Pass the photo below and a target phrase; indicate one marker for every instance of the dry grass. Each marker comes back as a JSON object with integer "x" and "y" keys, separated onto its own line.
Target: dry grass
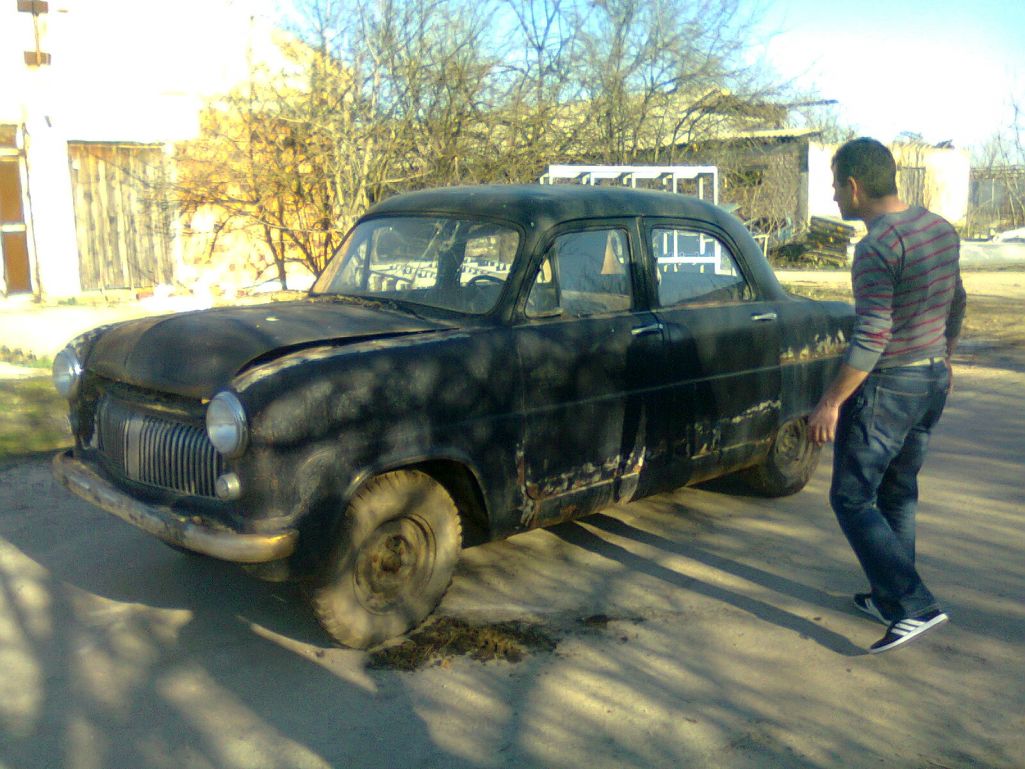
{"x": 33, "y": 419}
{"x": 994, "y": 318}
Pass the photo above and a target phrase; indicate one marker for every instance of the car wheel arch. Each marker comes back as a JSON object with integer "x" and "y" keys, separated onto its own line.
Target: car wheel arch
{"x": 326, "y": 504}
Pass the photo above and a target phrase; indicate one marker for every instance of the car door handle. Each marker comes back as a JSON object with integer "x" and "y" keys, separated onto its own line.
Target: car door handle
{"x": 764, "y": 316}
{"x": 654, "y": 328}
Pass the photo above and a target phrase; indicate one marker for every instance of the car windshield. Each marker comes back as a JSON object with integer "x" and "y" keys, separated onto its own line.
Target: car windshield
{"x": 451, "y": 264}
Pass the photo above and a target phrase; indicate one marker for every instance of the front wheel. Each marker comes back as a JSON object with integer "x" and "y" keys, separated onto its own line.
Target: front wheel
{"x": 790, "y": 463}
{"x": 398, "y": 549}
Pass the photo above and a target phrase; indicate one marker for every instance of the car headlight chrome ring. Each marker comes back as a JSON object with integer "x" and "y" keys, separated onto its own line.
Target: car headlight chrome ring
{"x": 226, "y": 424}
{"x": 67, "y": 373}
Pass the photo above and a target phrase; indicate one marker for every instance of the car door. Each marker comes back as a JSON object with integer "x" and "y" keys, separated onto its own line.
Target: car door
{"x": 588, "y": 355}
{"x": 722, "y": 350}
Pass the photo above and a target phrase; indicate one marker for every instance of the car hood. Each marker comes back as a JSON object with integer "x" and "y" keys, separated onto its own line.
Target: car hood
{"x": 195, "y": 354}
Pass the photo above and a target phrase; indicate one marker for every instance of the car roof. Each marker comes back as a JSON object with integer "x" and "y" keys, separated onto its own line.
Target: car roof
{"x": 540, "y": 206}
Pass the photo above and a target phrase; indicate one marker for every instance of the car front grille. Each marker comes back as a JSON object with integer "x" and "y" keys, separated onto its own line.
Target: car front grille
{"x": 156, "y": 450}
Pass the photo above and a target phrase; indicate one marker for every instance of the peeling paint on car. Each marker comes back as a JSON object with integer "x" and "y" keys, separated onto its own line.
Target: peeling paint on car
{"x": 822, "y": 346}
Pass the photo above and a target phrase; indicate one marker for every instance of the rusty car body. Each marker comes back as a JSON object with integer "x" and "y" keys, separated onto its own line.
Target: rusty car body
{"x": 473, "y": 363}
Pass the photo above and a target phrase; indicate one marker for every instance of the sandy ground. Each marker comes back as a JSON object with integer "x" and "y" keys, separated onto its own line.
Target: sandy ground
{"x": 727, "y": 637}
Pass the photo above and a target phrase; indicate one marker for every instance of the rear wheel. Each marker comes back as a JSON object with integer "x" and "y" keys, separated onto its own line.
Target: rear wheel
{"x": 399, "y": 547}
{"x": 790, "y": 463}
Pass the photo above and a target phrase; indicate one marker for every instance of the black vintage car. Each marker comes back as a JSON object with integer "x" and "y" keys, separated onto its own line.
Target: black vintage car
{"x": 474, "y": 362}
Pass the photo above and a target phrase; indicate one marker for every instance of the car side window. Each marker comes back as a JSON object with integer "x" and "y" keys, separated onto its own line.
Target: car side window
{"x": 583, "y": 273}
{"x": 695, "y": 267}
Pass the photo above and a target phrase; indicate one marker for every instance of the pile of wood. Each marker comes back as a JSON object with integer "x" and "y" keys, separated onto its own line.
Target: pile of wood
{"x": 827, "y": 241}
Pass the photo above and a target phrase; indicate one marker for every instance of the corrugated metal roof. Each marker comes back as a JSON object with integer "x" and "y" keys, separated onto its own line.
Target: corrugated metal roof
{"x": 767, "y": 133}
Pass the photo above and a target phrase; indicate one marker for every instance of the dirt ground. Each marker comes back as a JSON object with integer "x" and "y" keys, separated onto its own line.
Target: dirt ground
{"x": 702, "y": 628}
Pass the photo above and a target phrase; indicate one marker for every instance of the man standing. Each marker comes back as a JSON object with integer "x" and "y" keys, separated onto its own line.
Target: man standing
{"x": 893, "y": 384}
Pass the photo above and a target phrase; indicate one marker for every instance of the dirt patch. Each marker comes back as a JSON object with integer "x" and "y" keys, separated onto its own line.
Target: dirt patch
{"x": 602, "y": 621}
{"x": 447, "y": 637}
{"x": 443, "y": 638}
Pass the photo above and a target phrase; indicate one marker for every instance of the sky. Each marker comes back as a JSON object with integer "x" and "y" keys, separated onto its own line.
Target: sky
{"x": 169, "y": 57}
{"x": 944, "y": 69}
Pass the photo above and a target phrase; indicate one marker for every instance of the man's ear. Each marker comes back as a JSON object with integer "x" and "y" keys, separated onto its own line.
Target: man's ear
{"x": 857, "y": 190}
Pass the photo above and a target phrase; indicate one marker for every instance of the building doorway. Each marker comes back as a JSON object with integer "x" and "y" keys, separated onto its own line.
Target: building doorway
{"x": 17, "y": 274}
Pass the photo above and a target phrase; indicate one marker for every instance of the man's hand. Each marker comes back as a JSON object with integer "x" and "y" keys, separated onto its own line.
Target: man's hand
{"x": 950, "y": 374}
{"x": 822, "y": 423}
{"x": 951, "y": 346}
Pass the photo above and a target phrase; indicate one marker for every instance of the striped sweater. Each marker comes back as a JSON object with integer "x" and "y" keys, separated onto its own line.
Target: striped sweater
{"x": 908, "y": 294}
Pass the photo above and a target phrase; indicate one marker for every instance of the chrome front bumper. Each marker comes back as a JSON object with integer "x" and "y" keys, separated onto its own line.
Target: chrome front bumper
{"x": 162, "y": 522}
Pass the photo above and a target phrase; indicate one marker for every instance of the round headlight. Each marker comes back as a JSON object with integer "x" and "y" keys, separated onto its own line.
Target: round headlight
{"x": 226, "y": 425}
{"x": 67, "y": 373}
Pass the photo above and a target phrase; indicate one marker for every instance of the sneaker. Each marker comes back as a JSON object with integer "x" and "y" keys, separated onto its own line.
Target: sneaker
{"x": 905, "y": 630}
{"x": 864, "y": 602}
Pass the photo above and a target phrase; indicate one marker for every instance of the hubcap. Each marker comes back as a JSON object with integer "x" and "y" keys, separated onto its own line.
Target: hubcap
{"x": 791, "y": 443}
{"x": 394, "y": 563}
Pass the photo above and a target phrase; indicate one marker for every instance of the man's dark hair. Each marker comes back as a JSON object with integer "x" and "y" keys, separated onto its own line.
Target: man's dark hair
{"x": 870, "y": 162}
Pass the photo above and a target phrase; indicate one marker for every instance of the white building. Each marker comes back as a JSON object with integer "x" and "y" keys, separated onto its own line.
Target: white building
{"x": 935, "y": 177}
{"x": 90, "y": 91}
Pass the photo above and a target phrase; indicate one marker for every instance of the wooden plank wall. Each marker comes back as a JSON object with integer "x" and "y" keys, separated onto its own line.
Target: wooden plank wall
{"x": 911, "y": 185}
{"x": 122, "y": 217}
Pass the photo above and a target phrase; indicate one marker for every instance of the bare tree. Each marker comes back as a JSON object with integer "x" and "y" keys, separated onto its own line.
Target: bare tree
{"x": 381, "y": 96}
{"x": 998, "y": 178}
{"x": 660, "y": 74}
{"x": 533, "y": 115}
{"x": 384, "y": 96}
{"x": 419, "y": 76}
{"x": 258, "y": 167}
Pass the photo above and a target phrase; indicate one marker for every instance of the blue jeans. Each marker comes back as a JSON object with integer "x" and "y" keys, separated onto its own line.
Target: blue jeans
{"x": 881, "y": 442}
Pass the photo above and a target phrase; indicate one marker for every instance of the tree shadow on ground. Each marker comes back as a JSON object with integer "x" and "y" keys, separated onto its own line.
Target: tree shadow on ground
{"x": 119, "y": 652}
{"x": 580, "y": 536}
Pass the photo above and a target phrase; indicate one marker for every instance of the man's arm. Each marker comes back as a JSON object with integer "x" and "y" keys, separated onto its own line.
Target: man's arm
{"x": 951, "y": 346}
{"x": 872, "y": 285}
{"x": 955, "y": 319}
{"x": 822, "y": 422}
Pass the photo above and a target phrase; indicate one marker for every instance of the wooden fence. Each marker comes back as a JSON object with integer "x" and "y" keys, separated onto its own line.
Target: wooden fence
{"x": 122, "y": 218}
{"x": 997, "y": 200}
